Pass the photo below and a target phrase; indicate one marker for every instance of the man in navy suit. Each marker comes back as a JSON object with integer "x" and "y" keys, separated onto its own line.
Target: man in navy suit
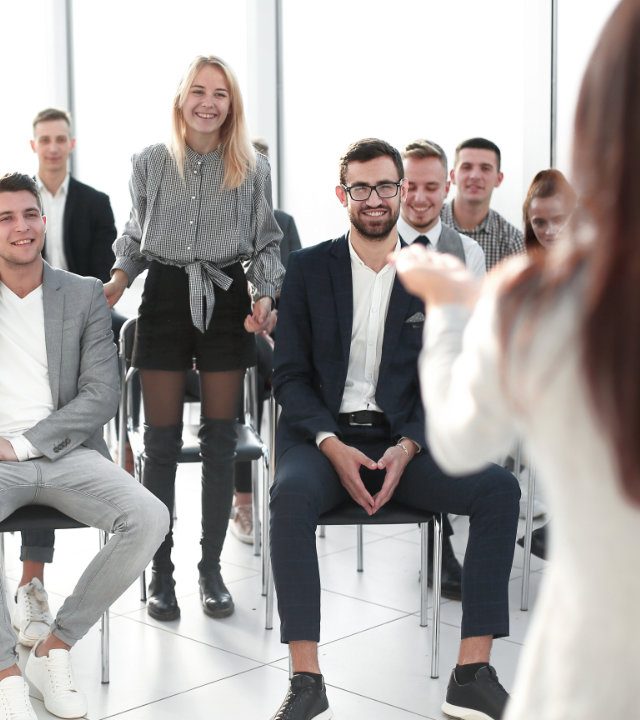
{"x": 352, "y": 425}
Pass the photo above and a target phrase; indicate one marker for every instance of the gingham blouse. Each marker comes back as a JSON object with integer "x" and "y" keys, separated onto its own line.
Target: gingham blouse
{"x": 194, "y": 224}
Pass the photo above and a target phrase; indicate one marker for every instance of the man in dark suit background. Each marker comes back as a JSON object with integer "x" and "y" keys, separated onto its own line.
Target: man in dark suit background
{"x": 352, "y": 425}
{"x": 79, "y": 233}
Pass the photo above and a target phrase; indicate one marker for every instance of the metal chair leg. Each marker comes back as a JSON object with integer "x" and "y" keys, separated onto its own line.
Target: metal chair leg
{"x": 104, "y": 627}
{"x": 255, "y": 505}
{"x": 359, "y": 531}
{"x": 424, "y": 585}
{"x": 526, "y": 569}
{"x": 437, "y": 578}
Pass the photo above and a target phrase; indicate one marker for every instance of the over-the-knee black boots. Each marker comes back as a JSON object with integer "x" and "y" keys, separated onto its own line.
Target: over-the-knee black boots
{"x": 161, "y": 449}
{"x": 217, "y": 448}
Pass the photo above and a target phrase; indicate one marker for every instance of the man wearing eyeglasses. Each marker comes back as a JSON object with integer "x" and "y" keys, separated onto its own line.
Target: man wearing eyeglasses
{"x": 352, "y": 425}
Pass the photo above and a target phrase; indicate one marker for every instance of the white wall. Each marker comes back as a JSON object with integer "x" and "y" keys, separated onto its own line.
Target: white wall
{"x": 33, "y": 71}
{"x": 579, "y": 25}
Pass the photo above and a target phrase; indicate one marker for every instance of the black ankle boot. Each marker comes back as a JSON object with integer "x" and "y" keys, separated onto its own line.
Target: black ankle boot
{"x": 162, "y": 603}
{"x": 215, "y": 598}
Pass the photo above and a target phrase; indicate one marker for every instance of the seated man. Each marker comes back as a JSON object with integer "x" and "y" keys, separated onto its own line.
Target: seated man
{"x": 58, "y": 387}
{"x": 352, "y": 425}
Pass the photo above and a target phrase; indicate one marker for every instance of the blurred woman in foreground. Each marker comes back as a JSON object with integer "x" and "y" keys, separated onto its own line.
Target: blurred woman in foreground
{"x": 551, "y": 352}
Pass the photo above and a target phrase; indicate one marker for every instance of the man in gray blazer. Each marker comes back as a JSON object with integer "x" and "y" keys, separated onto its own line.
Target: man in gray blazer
{"x": 58, "y": 387}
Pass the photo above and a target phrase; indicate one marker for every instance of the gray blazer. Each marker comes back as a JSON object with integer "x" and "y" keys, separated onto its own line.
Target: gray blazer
{"x": 83, "y": 367}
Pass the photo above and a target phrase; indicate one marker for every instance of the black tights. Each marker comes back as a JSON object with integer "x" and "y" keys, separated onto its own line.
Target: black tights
{"x": 163, "y": 398}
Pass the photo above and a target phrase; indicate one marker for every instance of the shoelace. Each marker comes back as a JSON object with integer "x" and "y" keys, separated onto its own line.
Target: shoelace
{"x": 36, "y": 609}
{"x": 294, "y": 696}
{"x": 14, "y": 696}
{"x": 59, "y": 673}
{"x": 493, "y": 676}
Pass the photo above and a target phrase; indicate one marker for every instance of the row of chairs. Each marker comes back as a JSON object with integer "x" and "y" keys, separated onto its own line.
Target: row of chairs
{"x": 251, "y": 448}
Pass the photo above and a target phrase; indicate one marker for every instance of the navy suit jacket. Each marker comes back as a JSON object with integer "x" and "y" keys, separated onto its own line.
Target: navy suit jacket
{"x": 88, "y": 231}
{"x": 314, "y": 339}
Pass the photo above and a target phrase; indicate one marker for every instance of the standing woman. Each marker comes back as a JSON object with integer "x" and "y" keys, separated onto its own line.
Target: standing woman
{"x": 201, "y": 207}
{"x": 552, "y": 352}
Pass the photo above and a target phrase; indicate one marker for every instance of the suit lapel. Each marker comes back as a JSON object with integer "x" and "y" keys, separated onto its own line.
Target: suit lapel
{"x": 69, "y": 206}
{"x": 53, "y": 299}
{"x": 397, "y": 312}
{"x": 340, "y": 270}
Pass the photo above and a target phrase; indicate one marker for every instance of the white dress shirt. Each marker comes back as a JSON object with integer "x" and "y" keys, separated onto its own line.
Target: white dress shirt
{"x": 24, "y": 371}
{"x": 371, "y": 294}
{"x": 473, "y": 253}
{"x": 53, "y": 206}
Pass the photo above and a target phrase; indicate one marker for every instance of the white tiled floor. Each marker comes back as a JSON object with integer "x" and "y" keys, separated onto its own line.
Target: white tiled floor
{"x": 374, "y": 654}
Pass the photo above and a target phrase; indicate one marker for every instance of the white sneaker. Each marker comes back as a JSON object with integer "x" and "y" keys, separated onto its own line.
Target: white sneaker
{"x": 242, "y": 523}
{"x": 53, "y": 677}
{"x": 32, "y": 617}
{"x": 14, "y": 699}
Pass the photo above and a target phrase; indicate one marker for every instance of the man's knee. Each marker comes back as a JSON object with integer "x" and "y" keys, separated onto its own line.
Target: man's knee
{"x": 501, "y": 489}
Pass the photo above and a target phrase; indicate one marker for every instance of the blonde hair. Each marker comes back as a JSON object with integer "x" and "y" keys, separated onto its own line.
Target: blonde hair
{"x": 237, "y": 152}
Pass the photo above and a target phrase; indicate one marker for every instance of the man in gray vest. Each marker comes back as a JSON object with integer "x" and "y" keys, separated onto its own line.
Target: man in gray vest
{"x": 427, "y": 183}
{"x": 426, "y": 177}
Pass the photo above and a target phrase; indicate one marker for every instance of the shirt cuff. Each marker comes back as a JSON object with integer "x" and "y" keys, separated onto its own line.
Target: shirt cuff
{"x": 131, "y": 267}
{"x": 23, "y": 449}
{"x": 322, "y": 436}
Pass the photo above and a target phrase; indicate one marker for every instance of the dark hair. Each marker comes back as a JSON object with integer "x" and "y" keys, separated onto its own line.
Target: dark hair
{"x": 426, "y": 149}
{"x": 606, "y": 156}
{"x": 51, "y": 114}
{"x": 545, "y": 184}
{"x": 15, "y": 182}
{"x": 369, "y": 149}
{"x": 479, "y": 143}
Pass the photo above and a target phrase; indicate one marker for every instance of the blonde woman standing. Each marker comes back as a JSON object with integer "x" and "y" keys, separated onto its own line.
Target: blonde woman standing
{"x": 201, "y": 210}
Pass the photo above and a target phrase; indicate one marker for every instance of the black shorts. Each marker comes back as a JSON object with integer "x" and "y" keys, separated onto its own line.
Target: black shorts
{"x": 166, "y": 338}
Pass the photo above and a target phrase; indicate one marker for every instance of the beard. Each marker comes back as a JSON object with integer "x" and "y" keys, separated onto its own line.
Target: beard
{"x": 375, "y": 230}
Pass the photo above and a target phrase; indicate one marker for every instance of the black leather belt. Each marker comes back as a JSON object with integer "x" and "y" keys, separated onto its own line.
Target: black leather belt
{"x": 365, "y": 418}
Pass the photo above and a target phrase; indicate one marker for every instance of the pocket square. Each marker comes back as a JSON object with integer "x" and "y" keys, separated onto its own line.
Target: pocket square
{"x": 417, "y": 317}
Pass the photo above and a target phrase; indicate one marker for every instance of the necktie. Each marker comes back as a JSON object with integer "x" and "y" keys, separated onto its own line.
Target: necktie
{"x": 422, "y": 240}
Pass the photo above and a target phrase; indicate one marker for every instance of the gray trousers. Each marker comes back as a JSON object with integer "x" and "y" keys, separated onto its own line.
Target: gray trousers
{"x": 93, "y": 490}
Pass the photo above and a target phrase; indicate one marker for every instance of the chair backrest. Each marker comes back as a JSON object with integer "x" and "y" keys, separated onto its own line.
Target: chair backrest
{"x": 250, "y": 446}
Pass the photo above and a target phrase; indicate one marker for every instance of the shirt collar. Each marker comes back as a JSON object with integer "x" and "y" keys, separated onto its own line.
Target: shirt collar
{"x": 193, "y": 158}
{"x": 62, "y": 190}
{"x": 409, "y": 233}
{"x": 486, "y": 226}
{"x": 355, "y": 258}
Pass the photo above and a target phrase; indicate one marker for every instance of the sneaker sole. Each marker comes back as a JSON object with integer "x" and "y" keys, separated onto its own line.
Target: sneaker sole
{"x": 240, "y": 536}
{"x": 163, "y": 617}
{"x": 463, "y": 713}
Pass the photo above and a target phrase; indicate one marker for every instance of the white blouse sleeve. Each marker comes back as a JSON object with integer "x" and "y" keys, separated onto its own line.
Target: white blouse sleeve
{"x": 469, "y": 417}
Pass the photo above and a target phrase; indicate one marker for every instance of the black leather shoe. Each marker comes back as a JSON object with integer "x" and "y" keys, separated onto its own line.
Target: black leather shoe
{"x": 215, "y": 598}
{"x": 538, "y": 542}
{"x": 451, "y": 586}
{"x": 306, "y": 700}
{"x": 162, "y": 603}
{"x": 483, "y": 697}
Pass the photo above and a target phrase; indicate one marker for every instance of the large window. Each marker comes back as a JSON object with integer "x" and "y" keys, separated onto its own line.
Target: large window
{"x": 128, "y": 60}
{"x": 444, "y": 71}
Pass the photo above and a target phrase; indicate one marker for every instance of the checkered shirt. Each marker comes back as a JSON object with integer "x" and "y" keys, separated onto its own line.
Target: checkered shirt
{"x": 495, "y": 235}
{"x": 193, "y": 223}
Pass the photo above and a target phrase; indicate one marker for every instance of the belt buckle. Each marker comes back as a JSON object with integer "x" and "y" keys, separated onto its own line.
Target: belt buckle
{"x": 354, "y": 423}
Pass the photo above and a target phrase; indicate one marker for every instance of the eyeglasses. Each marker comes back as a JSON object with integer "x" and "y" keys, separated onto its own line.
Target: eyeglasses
{"x": 363, "y": 192}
